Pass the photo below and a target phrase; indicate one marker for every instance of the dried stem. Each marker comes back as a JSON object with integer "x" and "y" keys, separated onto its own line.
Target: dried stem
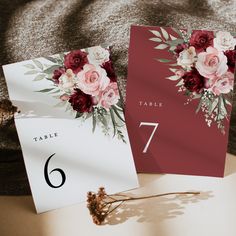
{"x": 100, "y": 203}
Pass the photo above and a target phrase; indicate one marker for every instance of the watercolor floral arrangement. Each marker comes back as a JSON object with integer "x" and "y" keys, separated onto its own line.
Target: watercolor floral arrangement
{"x": 203, "y": 64}
{"x": 85, "y": 83}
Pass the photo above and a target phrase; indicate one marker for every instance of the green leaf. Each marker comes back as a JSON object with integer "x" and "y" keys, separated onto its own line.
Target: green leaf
{"x": 172, "y": 37}
{"x": 38, "y": 64}
{"x": 199, "y": 106}
{"x": 173, "y": 77}
{"x": 163, "y": 60}
{"x": 165, "y": 34}
{"x": 113, "y": 122}
{"x": 89, "y": 114}
{"x": 175, "y": 42}
{"x": 173, "y": 69}
{"x": 45, "y": 90}
{"x": 31, "y": 72}
{"x": 156, "y": 33}
{"x": 161, "y": 46}
{"x": 94, "y": 121}
{"x": 78, "y": 115}
{"x": 117, "y": 113}
{"x": 51, "y": 69}
{"x": 156, "y": 40}
{"x": 213, "y": 106}
{"x": 39, "y": 77}
{"x": 178, "y": 32}
{"x": 172, "y": 48}
{"x": 29, "y": 66}
{"x": 51, "y": 59}
{"x": 180, "y": 83}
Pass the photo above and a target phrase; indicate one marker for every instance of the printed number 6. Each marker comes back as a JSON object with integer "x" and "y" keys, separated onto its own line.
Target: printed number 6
{"x": 63, "y": 176}
{"x": 155, "y": 125}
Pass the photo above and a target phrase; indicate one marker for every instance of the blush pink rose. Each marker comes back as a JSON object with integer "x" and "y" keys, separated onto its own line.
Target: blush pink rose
{"x": 211, "y": 63}
{"x": 110, "y": 96}
{"x": 92, "y": 79}
{"x": 223, "y": 84}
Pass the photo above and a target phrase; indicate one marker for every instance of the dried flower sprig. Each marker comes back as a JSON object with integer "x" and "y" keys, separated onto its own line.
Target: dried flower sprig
{"x": 101, "y": 204}
{"x": 7, "y": 111}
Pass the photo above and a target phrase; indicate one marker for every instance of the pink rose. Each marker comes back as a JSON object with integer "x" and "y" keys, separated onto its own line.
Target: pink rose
{"x": 211, "y": 63}
{"x": 223, "y": 84}
{"x": 92, "y": 79}
{"x": 110, "y": 96}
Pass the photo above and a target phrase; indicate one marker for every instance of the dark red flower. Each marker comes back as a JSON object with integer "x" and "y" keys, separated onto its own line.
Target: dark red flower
{"x": 193, "y": 81}
{"x": 75, "y": 60}
{"x": 108, "y": 67}
{"x": 180, "y": 48}
{"x": 81, "y": 102}
{"x": 57, "y": 74}
{"x": 231, "y": 58}
{"x": 201, "y": 39}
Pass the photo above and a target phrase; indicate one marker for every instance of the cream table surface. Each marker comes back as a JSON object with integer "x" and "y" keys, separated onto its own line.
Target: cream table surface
{"x": 212, "y": 213}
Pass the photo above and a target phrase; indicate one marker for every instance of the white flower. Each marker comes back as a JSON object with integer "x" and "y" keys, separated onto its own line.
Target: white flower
{"x": 67, "y": 81}
{"x": 98, "y": 55}
{"x": 224, "y": 41}
{"x": 187, "y": 57}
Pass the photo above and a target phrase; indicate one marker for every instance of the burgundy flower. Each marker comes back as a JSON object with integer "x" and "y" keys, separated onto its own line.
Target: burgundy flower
{"x": 57, "y": 74}
{"x": 231, "y": 58}
{"x": 75, "y": 60}
{"x": 180, "y": 48}
{"x": 201, "y": 39}
{"x": 193, "y": 81}
{"x": 108, "y": 67}
{"x": 81, "y": 102}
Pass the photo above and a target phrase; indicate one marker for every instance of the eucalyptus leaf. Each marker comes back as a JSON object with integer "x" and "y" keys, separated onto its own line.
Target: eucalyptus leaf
{"x": 173, "y": 77}
{"x": 172, "y": 37}
{"x": 156, "y": 33}
{"x": 29, "y": 66}
{"x": 156, "y": 40}
{"x": 165, "y": 34}
{"x": 178, "y": 32}
{"x": 31, "y": 72}
{"x": 175, "y": 42}
{"x": 199, "y": 106}
{"x": 213, "y": 106}
{"x": 161, "y": 46}
{"x": 78, "y": 114}
{"x": 39, "y": 77}
{"x": 51, "y": 59}
{"x": 51, "y": 69}
{"x": 180, "y": 83}
{"x": 94, "y": 121}
{"x": 172, "y": 48}
{"x": 163, "y": 60}
{"x": 117, "y": 113}
{"x": 113, "y": 122}
{"x": 38, "y": 64}
{"x": 173, "y": 69}
{"x": 45, "y": 90}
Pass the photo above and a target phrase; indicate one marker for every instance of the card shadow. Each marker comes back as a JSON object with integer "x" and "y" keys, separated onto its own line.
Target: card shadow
{"x": 155, "y": 210}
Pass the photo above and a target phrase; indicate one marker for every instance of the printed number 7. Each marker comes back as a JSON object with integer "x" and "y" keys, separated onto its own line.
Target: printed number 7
{"x": 155, "y": 125}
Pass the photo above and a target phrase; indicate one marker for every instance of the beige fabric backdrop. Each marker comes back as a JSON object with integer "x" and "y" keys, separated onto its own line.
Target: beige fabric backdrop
{"x": 36, "y": 28}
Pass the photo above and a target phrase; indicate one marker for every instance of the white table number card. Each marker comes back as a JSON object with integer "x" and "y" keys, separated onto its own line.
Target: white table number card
{"x": 71, "y": 126}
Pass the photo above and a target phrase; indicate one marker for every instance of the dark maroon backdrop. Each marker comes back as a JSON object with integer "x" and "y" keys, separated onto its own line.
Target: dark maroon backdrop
{"x": 183, "y": 143}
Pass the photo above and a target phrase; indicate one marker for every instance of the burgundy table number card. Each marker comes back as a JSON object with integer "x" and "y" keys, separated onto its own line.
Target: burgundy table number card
{"x": 179, "y": 99}
{"x": 71, "y": 126}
